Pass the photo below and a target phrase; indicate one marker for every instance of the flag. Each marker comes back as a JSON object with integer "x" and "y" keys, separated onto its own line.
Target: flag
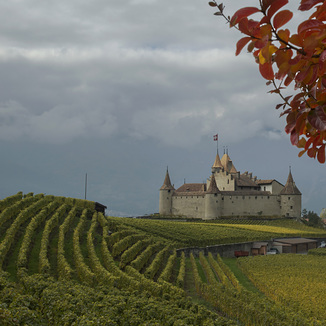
{"x": 215, "y": 137}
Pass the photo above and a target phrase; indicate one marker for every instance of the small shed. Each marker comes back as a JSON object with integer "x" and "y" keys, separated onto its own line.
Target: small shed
{"x": 296, "y": 245}
{"x": 100, "y": 208}
{"x": 259, "y": 248}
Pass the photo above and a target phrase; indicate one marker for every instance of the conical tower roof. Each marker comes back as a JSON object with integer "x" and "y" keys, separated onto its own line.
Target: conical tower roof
{"x": 212, "y": 189}
{"x": 228, "y": 164}
{"x": 290, "y": 188}
{"x": 167, "y": 182}
{"x": 217, "y": 162}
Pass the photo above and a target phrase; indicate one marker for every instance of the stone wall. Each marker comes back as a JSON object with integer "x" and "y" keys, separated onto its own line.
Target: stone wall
{"x": 250, "y": 205}
{"x": 224, "y": 250}
{"x": 192, "y": 206}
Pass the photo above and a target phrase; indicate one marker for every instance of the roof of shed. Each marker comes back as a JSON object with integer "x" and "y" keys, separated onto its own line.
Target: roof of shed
{"x": 295, "y": 240}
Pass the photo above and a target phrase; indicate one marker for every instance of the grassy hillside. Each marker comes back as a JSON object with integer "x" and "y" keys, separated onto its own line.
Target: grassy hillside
{"x": 63, "y": 263}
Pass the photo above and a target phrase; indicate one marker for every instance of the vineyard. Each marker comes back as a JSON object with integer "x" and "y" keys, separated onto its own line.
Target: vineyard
{"x": 64, "y": 263}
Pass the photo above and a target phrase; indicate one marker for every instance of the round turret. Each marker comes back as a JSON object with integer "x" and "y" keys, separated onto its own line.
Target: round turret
{"x": 166, "y": 193}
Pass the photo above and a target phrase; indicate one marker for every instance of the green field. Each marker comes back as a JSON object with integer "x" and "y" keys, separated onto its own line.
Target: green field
{"x": 63, "y": 263}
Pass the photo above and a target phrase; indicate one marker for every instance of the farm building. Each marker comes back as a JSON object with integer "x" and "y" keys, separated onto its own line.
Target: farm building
{"x": 294, "y": 245}
{"x": 228, "y": 193}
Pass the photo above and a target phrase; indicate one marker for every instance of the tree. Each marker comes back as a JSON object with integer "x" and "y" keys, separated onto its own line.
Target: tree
{"x": 312, "y": 218}
{"x": 284, "y": 59}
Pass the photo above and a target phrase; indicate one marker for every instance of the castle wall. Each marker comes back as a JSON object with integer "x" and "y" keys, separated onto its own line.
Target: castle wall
{"x": 224, "y": 181}
{"x": 250, "y": 205}
{"x": 274, "y": 188}
{"x": 191, "y": 206}
{"x": 291, "y": 205}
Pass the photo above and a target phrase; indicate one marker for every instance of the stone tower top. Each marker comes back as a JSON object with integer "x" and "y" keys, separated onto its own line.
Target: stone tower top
{"x": 212, "y": 189}
{"x": 290, "y": 188}
{"x": 167, "y": 182}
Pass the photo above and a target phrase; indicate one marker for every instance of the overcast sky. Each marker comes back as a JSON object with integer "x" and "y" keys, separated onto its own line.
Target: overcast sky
{"x": 122, "y": 89}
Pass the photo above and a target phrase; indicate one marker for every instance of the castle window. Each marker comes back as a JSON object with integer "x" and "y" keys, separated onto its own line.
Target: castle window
{"x": 255, "y": 197}
{"x": 267, "y": 197}
{"x": 169, "y": 190}
{"x": 228, "y": 181}
{"x": 215, "y": 195}
{"x": 222, "y": 198}
{"x": 264, "y": 188}
{"x": 291, "y": 207}
{"x": 289, "y": 198}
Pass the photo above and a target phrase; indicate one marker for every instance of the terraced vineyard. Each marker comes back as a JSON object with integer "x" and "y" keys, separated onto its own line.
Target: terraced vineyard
{"x": 63, "y": 263}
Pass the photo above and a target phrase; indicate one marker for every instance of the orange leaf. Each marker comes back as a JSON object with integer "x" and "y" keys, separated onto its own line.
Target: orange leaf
{"x": 301, "y": 153}
{"x": 241, "y": 44}
{"x": 281, "y": 18}
{"x": 242, "y": 13}
{"x": 266, "y": 70}
{"x": 284, "y": 34}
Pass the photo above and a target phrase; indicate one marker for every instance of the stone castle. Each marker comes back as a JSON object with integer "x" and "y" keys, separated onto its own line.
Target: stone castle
{"x": 228, "y": 193}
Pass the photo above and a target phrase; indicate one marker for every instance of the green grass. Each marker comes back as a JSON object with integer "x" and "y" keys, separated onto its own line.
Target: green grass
{"x": 242, "y": 278}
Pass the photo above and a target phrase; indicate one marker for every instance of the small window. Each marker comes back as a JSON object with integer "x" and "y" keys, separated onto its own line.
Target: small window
{"x": 169, "y": 190}
{"x": 228, "y": 181}
{"x": 222, "y": 198}
{"x": 291, "y": 207}
{"x": 289, "y": 198}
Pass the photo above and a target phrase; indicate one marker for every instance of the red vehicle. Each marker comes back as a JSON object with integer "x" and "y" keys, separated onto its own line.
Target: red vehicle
{"x": 241, "y": 253}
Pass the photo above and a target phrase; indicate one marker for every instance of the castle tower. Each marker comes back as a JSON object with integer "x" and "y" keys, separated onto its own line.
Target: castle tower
{"x": 212, "y": 200}
{"x": 166, "y": 192}
{"x": 290, "y": 199}
{"x": 228, "y": 164}
{"x": 217, "y": 166}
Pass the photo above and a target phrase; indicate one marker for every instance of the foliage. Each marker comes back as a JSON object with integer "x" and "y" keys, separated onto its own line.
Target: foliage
{"x": 296, "y": 283}
{"x": 284, "y": 59}
{"x": 312, "y": 218}
{"x": 125, "y": 271}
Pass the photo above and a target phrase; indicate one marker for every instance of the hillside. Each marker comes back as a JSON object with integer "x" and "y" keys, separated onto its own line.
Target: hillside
{"x": 63, "y": 263}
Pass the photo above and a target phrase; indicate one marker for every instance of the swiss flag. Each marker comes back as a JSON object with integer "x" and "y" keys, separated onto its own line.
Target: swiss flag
{"x": 215, "y": 137}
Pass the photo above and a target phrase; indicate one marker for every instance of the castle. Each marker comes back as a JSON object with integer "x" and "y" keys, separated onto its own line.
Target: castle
{"x": 228, "y": 193}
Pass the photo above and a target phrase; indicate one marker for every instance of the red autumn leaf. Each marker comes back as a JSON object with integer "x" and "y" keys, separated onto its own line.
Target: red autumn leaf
{"x": 301, "y": 153}
{"x": 322, "y": 56}
{"x": 294, "y": 137}
{"x": 317, "y": 118}
{"x": 310, "y": 24}
{"x": 321, "y": 154}
{"x": 308, "y": 4}
{"x": 281, "y": 18}
{"x": 266, "y": 70}
{"x": 308, "y": 143}
{"x": 312, "y": 152}
{"x": 266, "y": 4}
{"x": 241, "y": 44}
{"x": 242, "y": 13}
{"x": 276, "y": 5}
